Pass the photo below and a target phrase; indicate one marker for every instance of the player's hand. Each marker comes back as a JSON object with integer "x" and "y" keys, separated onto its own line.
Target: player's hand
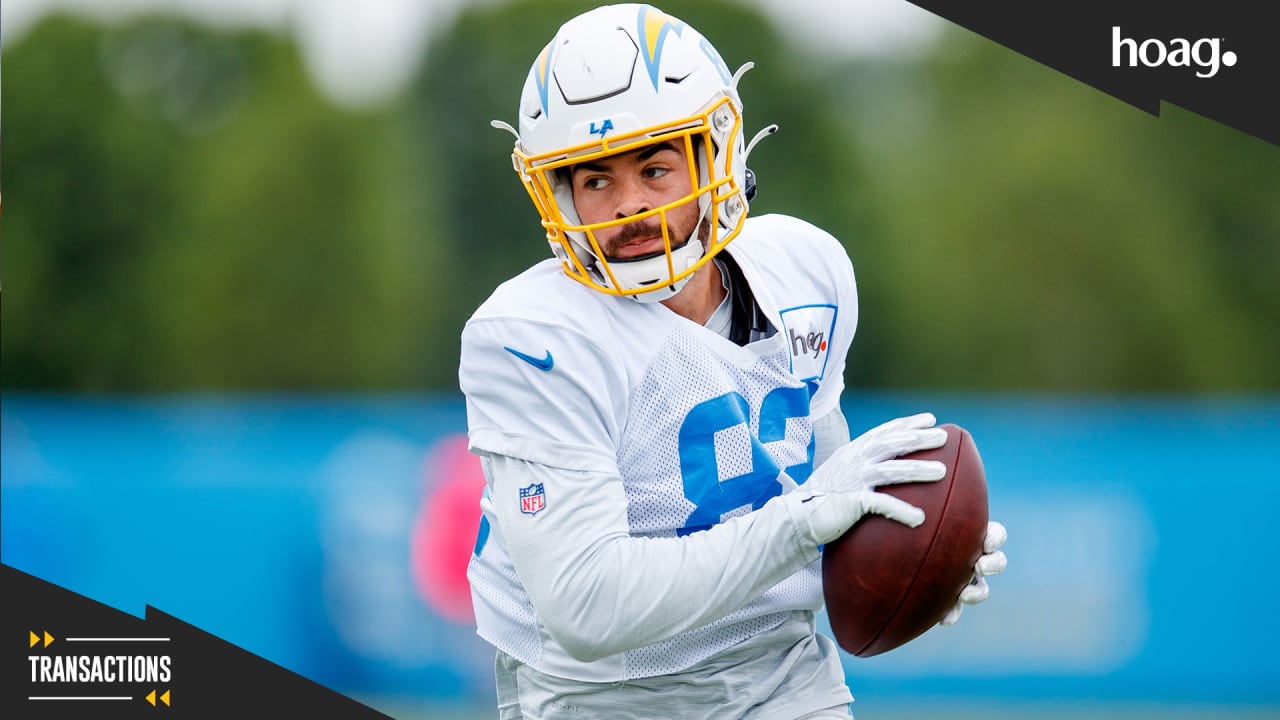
{"x": 843, "y": 488}
{"x": 869, "y": 461}
{"x": 992, "y": 562}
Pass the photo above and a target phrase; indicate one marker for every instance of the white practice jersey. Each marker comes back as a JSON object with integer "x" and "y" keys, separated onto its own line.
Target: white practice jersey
{"x": 691, "y": 428}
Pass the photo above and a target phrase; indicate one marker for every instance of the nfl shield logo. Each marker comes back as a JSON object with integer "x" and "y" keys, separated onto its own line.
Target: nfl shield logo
{"x": 532, "y": 499}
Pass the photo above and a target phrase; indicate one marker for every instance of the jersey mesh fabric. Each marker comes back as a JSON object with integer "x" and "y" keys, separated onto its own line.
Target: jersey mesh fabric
{"x": 655, "y": 464}
{"x": 636, "y": 373}
{"x": 502, "y": 601}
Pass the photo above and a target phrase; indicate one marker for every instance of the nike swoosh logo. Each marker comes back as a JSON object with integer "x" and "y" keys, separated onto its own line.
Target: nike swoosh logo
{"x": 543, "y": 364}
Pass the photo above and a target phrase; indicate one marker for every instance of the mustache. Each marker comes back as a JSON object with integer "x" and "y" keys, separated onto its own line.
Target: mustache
{"x": 637, "y": 230}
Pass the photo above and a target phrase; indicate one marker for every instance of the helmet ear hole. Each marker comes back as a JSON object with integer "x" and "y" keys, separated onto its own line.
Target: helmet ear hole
{"x": 564, "y": 177}
{"x": 749, "y": 185}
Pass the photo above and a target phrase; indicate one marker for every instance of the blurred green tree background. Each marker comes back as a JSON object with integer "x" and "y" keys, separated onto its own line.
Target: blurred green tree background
{"x": 187, "y": 211}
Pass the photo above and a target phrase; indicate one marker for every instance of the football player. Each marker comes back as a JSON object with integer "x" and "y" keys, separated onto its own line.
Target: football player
{"x": 657, "y": 407}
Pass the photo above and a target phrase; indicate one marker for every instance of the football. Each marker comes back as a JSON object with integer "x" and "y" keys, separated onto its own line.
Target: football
{"x": 885, "y": 583}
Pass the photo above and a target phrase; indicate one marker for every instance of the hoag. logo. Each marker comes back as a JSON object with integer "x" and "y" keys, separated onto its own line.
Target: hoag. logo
{"x": 808, "y": 330}
{"x": 1205, "y": 53}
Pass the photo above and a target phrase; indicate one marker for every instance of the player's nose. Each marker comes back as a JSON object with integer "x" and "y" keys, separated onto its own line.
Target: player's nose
{"x": 632, "y": 198}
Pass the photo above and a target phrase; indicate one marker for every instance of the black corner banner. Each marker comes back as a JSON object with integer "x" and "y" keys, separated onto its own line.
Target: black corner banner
{"x": 66, "y": 656}
{"x": 1217, "y": 58}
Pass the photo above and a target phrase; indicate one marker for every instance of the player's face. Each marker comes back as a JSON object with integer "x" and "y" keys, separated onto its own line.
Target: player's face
{"x": 625, "y": 185}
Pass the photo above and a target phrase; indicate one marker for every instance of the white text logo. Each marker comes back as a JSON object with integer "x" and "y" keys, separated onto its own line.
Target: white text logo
{"x": 1205, "y": 53}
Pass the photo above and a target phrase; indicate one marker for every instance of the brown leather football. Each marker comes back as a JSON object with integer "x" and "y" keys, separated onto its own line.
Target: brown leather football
{"x": 885, "y": 584}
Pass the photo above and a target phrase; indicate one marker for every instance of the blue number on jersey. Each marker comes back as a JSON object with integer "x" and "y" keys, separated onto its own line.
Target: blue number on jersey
{"x": 713, "y": 497}
{"x": 778, "y": 406}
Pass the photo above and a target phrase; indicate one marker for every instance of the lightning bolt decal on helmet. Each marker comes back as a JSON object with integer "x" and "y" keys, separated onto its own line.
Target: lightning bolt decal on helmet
{"x": 615, "y": 80}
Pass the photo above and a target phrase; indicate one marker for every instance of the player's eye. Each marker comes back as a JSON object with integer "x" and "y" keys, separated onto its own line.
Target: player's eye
{"x": 654, "y": 173}
{"x": 595, "y": 183}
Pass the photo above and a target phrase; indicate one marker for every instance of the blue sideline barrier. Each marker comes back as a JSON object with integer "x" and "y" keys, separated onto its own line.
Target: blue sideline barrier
{"x": 1142, "y": 554}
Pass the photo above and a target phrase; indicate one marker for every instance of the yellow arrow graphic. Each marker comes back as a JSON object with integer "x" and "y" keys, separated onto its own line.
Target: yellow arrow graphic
{"x": 151, "y": 697}
{"x": 165, "y": 697}
{"x": 36, "y": 638}
{"x": 47, "y": 638}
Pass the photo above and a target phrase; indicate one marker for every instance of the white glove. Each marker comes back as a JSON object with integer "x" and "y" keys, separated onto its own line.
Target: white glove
{"x": 992, "y": 562}
{"x": 842, "y": 489}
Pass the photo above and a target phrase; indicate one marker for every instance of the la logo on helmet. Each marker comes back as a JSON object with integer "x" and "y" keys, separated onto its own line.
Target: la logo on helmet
{"x": 605, "y": 127}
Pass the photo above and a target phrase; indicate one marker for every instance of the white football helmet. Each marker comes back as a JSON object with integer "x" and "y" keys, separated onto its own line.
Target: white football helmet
{"x": 614, "y": 80}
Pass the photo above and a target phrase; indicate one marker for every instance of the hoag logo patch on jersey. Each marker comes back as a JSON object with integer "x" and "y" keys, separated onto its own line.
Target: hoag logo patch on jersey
{"x": 807, "y": 330}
